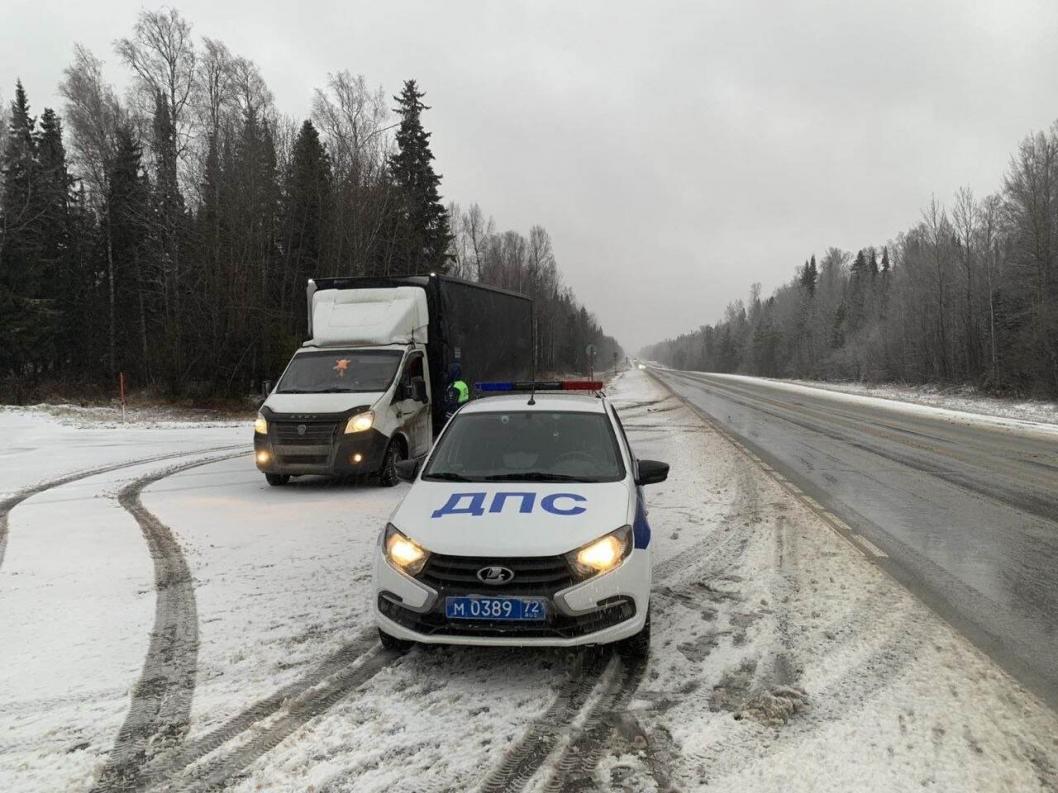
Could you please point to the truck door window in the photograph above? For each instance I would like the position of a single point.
(412, 369)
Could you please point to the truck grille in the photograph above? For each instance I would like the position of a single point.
(532, 575)
(308, 433)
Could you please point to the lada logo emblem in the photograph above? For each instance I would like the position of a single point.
(301, 429)
(495, 575)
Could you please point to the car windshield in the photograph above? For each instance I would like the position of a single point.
(340, 371)
(527, 446)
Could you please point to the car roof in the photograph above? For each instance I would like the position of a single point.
(545, 400)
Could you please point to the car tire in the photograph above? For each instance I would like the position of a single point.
(635, 648)
(387, 475)
(277, 480)
(393, 643)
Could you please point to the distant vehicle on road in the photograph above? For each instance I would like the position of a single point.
(526, 526)
(367, 389)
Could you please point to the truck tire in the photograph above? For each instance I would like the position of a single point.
(635, 648)
(277, 480)
(387, 475)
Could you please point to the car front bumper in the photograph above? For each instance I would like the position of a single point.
(602, 610)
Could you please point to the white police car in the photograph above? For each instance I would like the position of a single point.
(524, 526)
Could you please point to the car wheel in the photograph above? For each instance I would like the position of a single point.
(277, 480)
(393, 643)
(387, 476)
(636, 648)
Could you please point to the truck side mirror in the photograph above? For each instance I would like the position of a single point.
(407, 470)
(651, 472)
(418, 389)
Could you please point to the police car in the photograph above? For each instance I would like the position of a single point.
(525, 525)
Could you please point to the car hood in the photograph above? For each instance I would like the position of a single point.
(320, 403)
(476, 519)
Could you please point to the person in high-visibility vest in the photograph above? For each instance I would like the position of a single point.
(458, 392)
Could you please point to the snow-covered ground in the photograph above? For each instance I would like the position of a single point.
(965, 399)
(1016, 412)
(1033, 417)
(782, 659)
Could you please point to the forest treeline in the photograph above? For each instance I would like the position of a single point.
(168, 234)
(968, 295)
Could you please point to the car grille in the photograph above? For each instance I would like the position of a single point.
(316, 433)
(532, 575)
(560, 626)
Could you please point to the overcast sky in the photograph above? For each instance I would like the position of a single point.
(676, 152)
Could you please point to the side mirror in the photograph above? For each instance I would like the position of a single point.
(418, 389)
(407, 470)
(651, 472)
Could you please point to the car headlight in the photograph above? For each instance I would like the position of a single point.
(361, 422)
(603, 554)
(404, 554)
(260, 425)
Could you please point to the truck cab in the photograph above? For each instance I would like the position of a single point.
(367, 390)
(355, 399)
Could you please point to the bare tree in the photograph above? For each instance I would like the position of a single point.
(353, 120)
(966, 217)
(93, 114)
(161, 54)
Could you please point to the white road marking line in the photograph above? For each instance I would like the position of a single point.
(870, 546)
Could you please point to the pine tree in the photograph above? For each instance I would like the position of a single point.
(22, 317)
(168, 234)
(128, 218)
(422, 225)
(306, 194)
(55, 292)
(810, 276)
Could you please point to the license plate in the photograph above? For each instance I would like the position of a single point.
(488, 608)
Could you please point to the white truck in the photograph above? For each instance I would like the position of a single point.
(368, 387)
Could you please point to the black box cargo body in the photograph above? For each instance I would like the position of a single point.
(487, 331)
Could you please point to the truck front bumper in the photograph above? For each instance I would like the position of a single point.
(348, 455)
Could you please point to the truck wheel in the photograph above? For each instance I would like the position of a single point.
(393, 643)
(387, 475)
(277, 480)
(635, 648)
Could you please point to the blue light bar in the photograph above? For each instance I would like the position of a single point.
(541, 385)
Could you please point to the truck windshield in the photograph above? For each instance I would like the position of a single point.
(340, 371)
(527, 446)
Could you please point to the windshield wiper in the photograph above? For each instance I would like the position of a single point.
(536, 476)
(448, 476)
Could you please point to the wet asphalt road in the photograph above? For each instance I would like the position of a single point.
(967, 513)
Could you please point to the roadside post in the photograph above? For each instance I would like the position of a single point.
(590, 352)
(121, 389)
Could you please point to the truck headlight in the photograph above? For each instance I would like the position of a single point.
(404, 554)
(603, 554)
(361, 422)
(260, 425)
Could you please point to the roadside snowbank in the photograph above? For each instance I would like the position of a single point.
(1039, 418)
(965, 399)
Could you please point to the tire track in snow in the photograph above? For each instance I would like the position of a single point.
(165, 768)
(9, 503)
(574, 768)
(525, 758)
(227, 770)
(159, 715)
